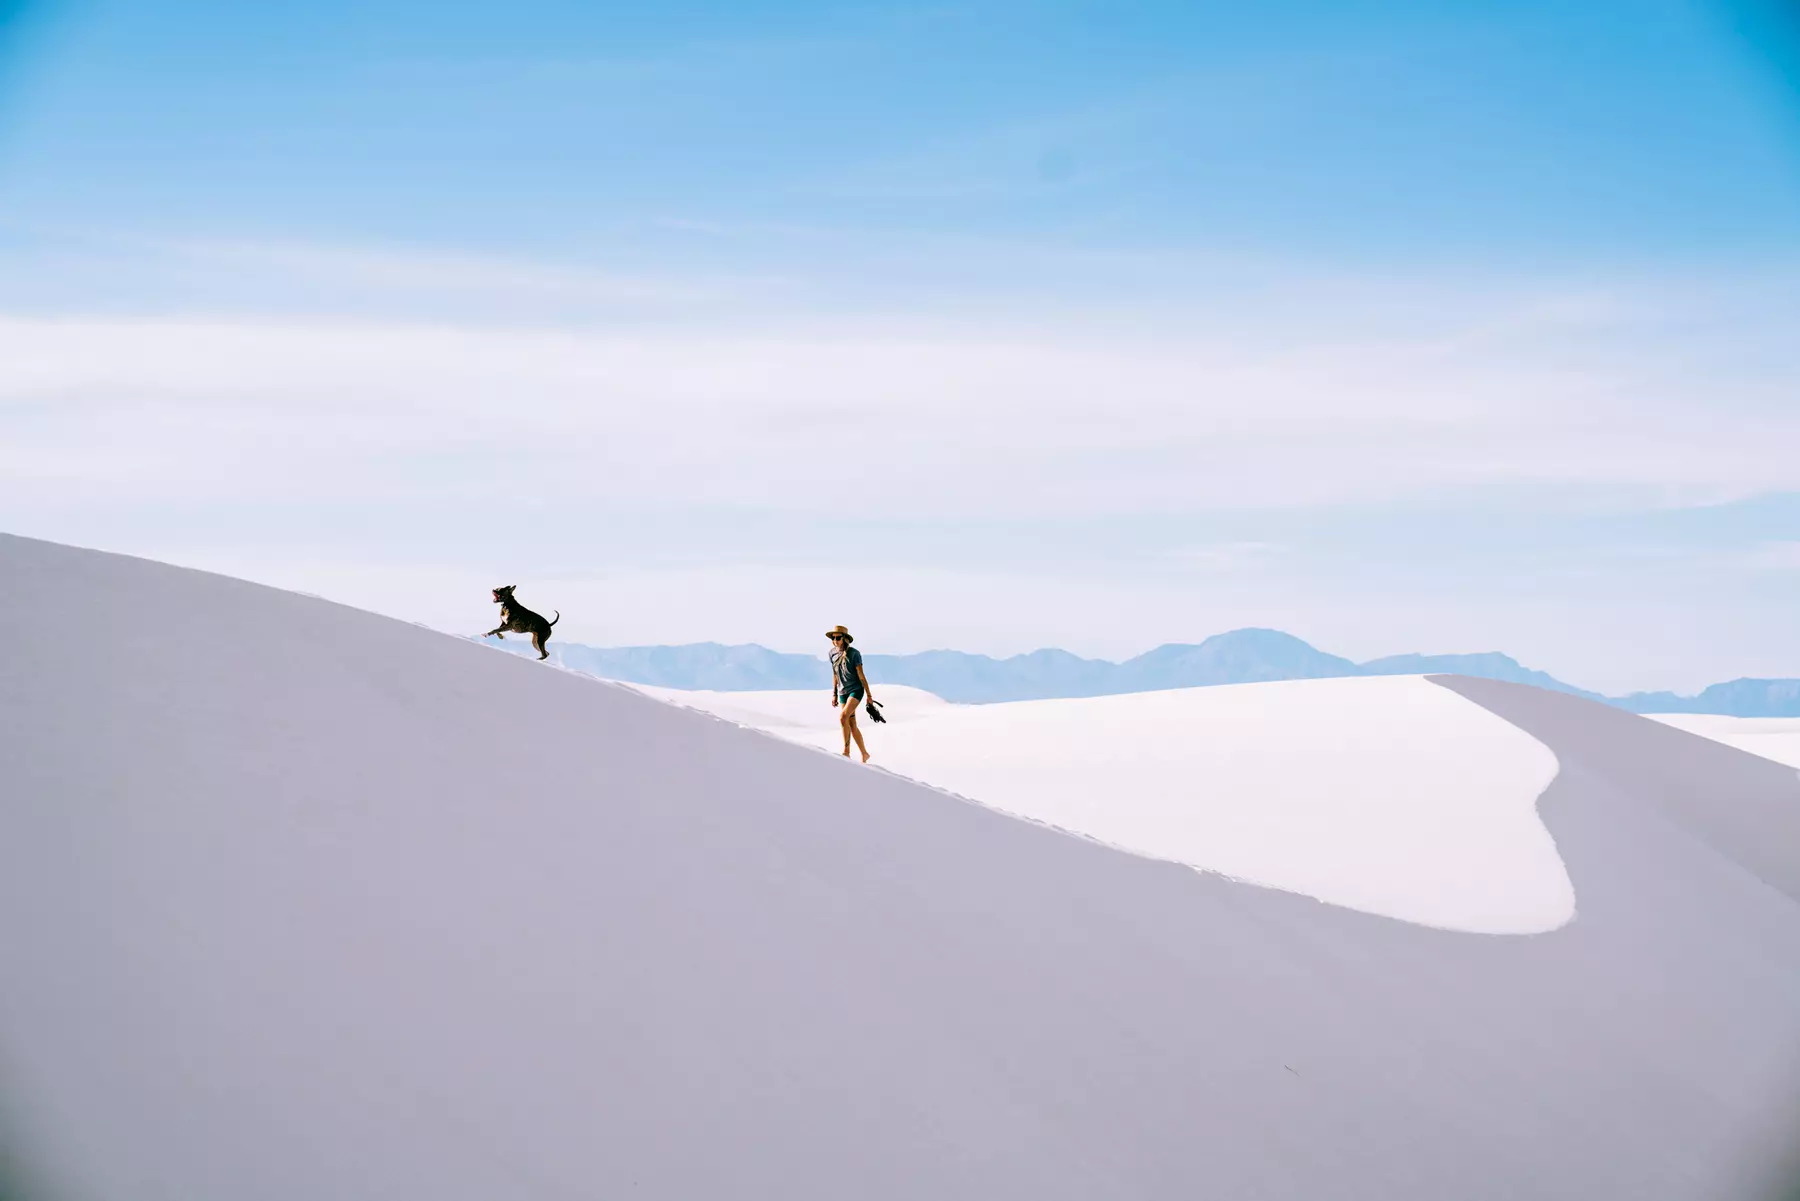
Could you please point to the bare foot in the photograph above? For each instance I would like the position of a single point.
(865, 756)
(847, 753)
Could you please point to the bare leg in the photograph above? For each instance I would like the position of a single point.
(847, 719)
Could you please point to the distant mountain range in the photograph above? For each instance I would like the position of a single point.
(1238, 657)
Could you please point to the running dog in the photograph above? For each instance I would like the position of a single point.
(517, 619)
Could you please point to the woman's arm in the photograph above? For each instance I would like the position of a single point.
(868, 694)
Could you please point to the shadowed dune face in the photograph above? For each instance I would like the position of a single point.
(1745, 807)
(1776, 738)
(300, 902)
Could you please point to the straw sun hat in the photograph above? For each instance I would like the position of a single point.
(840, 630)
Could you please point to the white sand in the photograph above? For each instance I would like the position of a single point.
(1776, 738)
(1390, 795)
(806, 717)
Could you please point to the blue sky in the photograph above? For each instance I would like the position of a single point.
(994, 325)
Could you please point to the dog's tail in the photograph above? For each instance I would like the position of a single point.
(557, 618)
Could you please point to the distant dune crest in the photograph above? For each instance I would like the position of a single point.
(1357, 792)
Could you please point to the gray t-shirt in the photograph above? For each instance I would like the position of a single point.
(844, 665)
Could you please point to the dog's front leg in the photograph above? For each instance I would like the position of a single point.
(495, 632)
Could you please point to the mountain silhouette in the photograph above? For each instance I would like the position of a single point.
(1244, 656)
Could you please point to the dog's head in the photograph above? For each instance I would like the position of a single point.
(504, 595)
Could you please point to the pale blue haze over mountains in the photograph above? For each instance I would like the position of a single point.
(1237, 657)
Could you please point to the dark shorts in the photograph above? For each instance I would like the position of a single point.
(846, 697)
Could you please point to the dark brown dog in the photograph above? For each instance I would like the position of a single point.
(518, 619)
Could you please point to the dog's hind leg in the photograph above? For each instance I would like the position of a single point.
(537, 641)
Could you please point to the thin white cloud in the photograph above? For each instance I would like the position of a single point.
(413, 270)
(1777, 556)
(1225, 557)
(1053, 418)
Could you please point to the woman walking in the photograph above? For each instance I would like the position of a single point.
(849, 687)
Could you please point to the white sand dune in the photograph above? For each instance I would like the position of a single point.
(1776, 738)
(1390, 795)
(298, 902)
